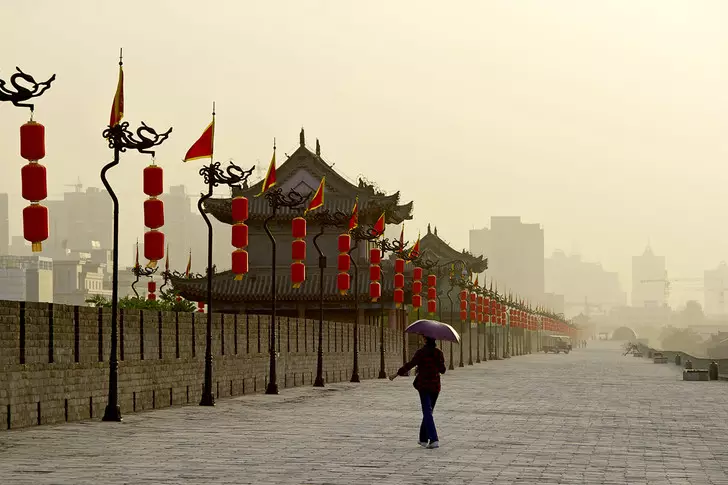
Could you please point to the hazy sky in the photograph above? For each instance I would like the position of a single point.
(604, 121)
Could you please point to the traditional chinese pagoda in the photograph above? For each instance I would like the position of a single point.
(302, 171)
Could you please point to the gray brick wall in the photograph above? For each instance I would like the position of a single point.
(74, 385)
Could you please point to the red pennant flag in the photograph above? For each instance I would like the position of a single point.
(401, 238)
(318, 198)
(354, 219)
(117, 107)
(270, 175)
(415, 251)
(189, 265)
(203, 146)
(166, 261)
(379, 225)
(136, 260)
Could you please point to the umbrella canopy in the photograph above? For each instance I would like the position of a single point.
(434, 329)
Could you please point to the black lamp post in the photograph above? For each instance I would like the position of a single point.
(397, 247)
(449, 297)
(27, 89)
(355, 366)
(213, 175)
(277, 199)
(139, 272)
(324, 219)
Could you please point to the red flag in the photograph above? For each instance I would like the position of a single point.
(318, 197)
(166, 261)
(136, 261)
(415, 251)
(189, 265)
(270, 175)
(354, 219)
(476, 276)
(117, 107)
(203, 146)
(401, 238)
(379, 225)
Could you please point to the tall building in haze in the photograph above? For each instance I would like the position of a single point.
(649, 279)
(515, 252)
(715, 284)
(78, 219)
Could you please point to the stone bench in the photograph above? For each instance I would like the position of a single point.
(696, 375)
(658, 358)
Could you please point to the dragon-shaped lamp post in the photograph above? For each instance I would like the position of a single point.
(277, 199)
(449, 297)
(214, 176)
(139, 272)
(121, 139)
(355, 365)
(20, 92)
(397, 248)
(324, 219)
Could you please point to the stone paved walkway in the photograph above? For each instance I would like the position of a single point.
(590, 417)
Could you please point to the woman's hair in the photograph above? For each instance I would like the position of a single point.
(430, 342)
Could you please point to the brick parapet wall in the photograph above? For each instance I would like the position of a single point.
(54, 358)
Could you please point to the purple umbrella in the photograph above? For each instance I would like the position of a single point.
(434, 329)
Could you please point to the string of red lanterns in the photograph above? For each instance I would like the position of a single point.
(399, 282)
(416, 287)
(34, 184)
(239, 237)
(343, 280)
(151, 289)
(431, 294)
(375, 274)
(153, 181)
(463, 305)
(298, 252)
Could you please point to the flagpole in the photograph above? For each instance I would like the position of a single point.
(207, 398)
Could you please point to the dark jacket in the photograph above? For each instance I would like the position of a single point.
(430, 363)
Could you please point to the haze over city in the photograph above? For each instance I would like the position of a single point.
(602, 121)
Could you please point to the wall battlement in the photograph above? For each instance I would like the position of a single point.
(54, 358)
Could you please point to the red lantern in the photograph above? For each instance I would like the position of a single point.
(431, 293)
(473, 298)
(463, 315)
(416, 301)
(151, 287)
(35, 225)
(298, 273)
(375, 256)
(298, 250)
(463, 305)
(151, 296)
(398, 296)
(201, 306)
(344, 262)
(153, 213)
(417, 273)
(299, 227)
(343, 283)
(399, 280)
(431, 306)
(375, 273)
(344, 243)
(153, 180)
(399, 266)
(33, 181)
(416, 287)
(375, 290)
(464, 294)
(473, 316)
(153, 245)
(240, 209)
(240, 235)
(431, 280)
(32, 141)
(240, 262)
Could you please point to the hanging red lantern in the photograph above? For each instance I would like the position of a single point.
(298, 252)
(33, 182)
(153, 180)
(416, 287)
(431, 306)
(343, 283)
(153, 245)
(32, 141)
(431, 280)
(343, 263)
(375, 256)
(201, 306)
(151, 288)
(417, 273)
(398, 282)
(35, 225)
(375, 291)
(375, 273)
(239, 237)
(399, 266)
(298, 273)
(463, 315)
(151, 297)
(344, 243)
(431, 294)
(153, 213)
(240, 262)
(416, 301)
(398, 297)
(463, 305)
(240, 209)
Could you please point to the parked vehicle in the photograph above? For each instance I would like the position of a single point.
(556, 344)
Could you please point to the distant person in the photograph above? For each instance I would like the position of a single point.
(430, 363)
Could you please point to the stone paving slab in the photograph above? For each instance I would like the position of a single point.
(590, 417)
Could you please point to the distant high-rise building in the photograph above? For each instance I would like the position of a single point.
(587, 287)
(515, 253)
(78, 219)
(715, 285)
(26, 278)
(649, 279)
(4, 226)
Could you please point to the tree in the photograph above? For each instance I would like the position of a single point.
(169, 300)
(682, 339)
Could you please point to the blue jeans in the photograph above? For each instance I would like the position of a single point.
(427, 428)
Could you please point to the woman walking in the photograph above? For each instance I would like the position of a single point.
(430, 363)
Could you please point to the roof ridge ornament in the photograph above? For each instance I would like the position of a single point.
(318, 148)
(302, 138)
